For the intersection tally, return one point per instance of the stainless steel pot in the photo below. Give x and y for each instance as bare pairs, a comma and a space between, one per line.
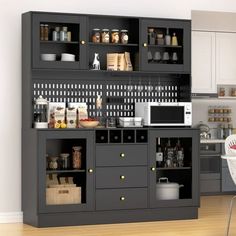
167, 190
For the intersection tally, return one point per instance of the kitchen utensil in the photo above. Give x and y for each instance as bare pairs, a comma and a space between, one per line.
167, 190
204, 130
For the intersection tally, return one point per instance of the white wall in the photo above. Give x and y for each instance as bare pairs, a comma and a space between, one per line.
10, 70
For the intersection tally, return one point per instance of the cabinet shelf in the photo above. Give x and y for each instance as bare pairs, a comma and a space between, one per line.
64, 171
58, 42
114, 44
164, 46
174, 168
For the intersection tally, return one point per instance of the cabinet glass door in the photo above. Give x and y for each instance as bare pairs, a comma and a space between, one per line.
59, 41
174, 168
165, 45
65, 171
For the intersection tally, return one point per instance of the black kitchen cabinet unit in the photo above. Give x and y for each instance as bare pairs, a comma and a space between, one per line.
118, 175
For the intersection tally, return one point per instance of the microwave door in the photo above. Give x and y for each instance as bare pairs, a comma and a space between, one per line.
164, 115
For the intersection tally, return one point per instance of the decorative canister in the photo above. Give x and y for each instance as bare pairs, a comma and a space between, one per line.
76, 157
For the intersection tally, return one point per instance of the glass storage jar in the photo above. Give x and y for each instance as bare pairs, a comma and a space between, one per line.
105, 36
64, 161
124, 37
115, 38
222, 92
76, 156
96, 36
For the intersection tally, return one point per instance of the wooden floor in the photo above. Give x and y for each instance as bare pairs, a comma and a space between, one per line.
212, 222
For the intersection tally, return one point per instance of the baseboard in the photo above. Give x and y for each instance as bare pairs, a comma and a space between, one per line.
11, 217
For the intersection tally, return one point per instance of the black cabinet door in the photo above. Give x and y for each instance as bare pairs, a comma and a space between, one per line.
59, 196
184, 173
75, 24
165, 54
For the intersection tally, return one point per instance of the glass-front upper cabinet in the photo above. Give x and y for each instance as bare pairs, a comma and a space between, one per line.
66, 171
174, 167
165, 45
59, 41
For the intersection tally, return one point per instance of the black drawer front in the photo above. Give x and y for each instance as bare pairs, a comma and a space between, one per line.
121, 155
121, 177
112, 199
211, 185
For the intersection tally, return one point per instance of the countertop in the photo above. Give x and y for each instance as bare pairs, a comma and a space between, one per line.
212, 141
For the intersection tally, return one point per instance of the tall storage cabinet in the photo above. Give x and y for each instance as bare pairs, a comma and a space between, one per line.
117, 179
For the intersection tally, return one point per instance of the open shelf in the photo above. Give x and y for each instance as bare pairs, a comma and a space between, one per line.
163, 46
174, 168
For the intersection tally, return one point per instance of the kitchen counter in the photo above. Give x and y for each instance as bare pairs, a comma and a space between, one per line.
212, 141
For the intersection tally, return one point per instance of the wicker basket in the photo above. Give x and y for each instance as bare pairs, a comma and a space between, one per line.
63, 195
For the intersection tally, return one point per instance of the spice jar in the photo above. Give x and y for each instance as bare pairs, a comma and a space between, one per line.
124, 37
96, 36
115, 38
105, 36
76, 156
151, 36
64, 161
56, 34
222, 92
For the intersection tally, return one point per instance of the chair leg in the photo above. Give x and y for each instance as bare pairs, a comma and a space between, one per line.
230, 214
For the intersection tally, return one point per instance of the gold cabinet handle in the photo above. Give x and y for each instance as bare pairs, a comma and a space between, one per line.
122, 198
82, 42
153, 168
122, 177
90, 170
145, 45
122, 155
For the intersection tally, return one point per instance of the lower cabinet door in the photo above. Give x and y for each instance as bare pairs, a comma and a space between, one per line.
227, 182
114, 199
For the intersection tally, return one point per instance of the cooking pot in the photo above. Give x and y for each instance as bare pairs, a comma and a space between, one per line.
167, 190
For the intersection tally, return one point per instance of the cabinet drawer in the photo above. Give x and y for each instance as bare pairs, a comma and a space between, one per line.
121, 155
112, 199
121, 177
211, 185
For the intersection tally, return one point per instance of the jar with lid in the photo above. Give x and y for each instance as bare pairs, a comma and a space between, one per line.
46, 32
41, 32
233, 92
76, 156
53, 163
105, 36
115, 38
63, 34
151, 36
124, 37
96, 36
56, 34
64, 161
222, 92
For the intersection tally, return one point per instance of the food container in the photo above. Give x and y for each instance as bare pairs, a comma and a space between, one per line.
96, 36
167, 190
67, 57
130, 121
124, 37
115, 38
105, 36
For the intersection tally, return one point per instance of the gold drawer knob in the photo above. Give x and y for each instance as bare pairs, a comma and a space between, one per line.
82, 42
145, 45
122, 177
153, 169
90, 170
122, 155
122, 198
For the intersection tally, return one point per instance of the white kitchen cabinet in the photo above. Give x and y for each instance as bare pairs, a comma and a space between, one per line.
203, 62
226, 58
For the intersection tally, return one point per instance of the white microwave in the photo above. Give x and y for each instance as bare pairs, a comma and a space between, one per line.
165, 113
